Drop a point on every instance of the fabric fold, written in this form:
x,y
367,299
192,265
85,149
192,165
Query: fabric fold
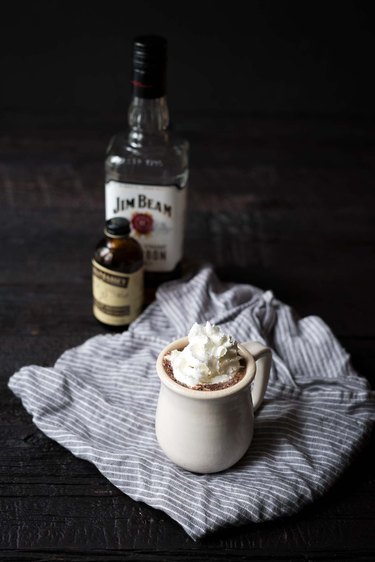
x,y
99,401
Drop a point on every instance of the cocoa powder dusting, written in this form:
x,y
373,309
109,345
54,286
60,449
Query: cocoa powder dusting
x,y
205,387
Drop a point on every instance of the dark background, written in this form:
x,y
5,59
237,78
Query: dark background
x,y
255,58
277,101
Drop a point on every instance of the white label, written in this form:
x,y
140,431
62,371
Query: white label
x,y
118,297
156,214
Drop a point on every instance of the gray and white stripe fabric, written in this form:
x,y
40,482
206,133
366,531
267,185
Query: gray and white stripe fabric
x,y
99,401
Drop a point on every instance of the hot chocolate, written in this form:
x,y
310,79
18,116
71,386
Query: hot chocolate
x,y
210,360
205,386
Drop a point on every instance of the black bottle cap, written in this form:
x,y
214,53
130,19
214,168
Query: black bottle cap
x,y
149,51
149,66
117,227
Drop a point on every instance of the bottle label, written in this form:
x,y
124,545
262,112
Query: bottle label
x,y
156,214
118,297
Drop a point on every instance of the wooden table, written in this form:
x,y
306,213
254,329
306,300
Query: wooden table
x,y
287,205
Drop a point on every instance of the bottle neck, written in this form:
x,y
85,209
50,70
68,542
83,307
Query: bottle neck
x,y
148,116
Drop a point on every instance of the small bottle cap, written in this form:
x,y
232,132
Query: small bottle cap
x,y
117,227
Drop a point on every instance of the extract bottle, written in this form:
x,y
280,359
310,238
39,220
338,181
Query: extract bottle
x,y
117,275
146,168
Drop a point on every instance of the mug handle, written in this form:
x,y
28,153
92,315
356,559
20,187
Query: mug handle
x,y
263,358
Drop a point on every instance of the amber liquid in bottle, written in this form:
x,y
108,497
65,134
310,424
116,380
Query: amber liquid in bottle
x,y
118,291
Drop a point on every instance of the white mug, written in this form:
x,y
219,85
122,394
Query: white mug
x,y
209,431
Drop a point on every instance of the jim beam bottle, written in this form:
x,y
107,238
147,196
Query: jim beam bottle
x,y
146,169
117,276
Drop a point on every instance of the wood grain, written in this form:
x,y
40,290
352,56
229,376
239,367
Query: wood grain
x,y
284,205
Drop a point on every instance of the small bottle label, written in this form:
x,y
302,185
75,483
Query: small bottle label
x,y
118,297
156,214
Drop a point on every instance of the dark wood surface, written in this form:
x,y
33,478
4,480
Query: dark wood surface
x,y
283,204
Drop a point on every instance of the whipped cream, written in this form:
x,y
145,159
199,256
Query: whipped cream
x,y
210,357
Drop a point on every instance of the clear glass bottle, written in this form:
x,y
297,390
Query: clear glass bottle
x,y
146,169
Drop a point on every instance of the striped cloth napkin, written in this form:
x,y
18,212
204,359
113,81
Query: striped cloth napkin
x,y
99,401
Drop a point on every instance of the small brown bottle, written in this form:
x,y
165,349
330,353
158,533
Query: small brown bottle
x,y
117,276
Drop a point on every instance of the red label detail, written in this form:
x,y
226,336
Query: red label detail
x,y
139,84
142,223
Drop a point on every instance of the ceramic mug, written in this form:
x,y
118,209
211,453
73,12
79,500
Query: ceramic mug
x,y
209,431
